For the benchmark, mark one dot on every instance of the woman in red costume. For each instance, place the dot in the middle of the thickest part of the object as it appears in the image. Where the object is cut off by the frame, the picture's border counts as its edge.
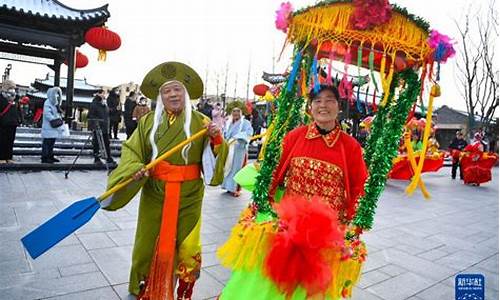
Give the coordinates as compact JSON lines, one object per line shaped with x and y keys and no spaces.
{"x":476,"y":163}
{"x":319,"y":159}
{"x":323,"y":173}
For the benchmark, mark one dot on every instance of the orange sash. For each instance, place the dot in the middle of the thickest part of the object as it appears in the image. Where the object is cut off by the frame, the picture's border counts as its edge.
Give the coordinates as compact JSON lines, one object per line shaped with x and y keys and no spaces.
{"x":160,"y":281}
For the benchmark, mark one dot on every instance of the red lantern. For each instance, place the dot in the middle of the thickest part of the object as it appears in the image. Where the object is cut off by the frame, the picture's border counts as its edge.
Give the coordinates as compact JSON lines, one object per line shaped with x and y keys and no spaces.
{"x":81,"y":60}
{"x":103,"y":39}
{"x":260,"y":89}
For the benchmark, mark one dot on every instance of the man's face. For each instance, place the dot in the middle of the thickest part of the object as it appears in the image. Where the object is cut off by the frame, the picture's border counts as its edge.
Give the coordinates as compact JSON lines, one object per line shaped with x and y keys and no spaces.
{"x":173,"y":97}
{"x":9,"y":94}
{"x":460,"y":136}
{"x":236,"y":114}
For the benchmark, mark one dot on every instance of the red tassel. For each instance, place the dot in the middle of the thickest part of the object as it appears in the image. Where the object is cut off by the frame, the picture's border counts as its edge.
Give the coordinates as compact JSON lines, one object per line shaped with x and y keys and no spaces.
{"x":297,"y":251}
{"x":159,"y":285}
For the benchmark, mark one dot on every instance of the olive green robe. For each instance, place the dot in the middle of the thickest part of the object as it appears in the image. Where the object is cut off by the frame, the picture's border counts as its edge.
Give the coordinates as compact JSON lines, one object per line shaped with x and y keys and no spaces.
{"x":136,"y":153}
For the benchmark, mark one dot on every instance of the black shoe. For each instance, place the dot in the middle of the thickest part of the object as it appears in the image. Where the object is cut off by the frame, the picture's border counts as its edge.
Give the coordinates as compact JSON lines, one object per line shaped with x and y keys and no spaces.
{"x":111,"y":162}
{"x":54,"y":159}
{"x":97,"y":161}
{"x":47,"y":161}
{"x":453,"y":178}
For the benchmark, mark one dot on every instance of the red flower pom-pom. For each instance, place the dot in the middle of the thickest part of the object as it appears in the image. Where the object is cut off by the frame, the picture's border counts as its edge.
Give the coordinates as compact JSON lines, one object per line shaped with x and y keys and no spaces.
{"x":296,"y":257}
{"x":370,"y":13}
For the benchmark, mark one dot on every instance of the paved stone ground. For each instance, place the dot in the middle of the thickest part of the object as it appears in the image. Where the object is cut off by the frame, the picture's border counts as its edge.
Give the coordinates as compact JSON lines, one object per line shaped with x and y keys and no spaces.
{"x":415,"y":249}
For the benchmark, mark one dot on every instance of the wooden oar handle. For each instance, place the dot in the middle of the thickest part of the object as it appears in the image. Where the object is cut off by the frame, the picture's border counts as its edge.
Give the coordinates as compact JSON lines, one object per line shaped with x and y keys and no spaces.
{"x":178,"y":147}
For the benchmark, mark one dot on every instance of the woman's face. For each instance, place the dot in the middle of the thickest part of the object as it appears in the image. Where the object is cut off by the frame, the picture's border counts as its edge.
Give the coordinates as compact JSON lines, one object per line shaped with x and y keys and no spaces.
{"x":173,"y":97}
{"x":325,"y":107}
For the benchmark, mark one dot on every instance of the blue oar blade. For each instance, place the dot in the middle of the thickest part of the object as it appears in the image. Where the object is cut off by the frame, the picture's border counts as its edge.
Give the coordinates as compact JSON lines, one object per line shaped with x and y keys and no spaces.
{"x":60,"y":226}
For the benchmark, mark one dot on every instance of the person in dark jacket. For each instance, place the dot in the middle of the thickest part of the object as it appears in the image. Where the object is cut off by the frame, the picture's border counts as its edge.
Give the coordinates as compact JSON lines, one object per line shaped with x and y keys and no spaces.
{"x":115,"y":113}
{"x":9,"y":120}
{"x":130,"y":104}
{"x":457,"y":145}
{"x":98,"y":116}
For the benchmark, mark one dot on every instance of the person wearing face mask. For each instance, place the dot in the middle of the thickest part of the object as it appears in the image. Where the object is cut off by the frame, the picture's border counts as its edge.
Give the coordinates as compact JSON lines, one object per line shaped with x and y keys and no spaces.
{"x":9,"y":120}
{"x":168,"y":226}
{"x":99,"y":116}
{"x":115,"y":113}
{"x":50,"y":133}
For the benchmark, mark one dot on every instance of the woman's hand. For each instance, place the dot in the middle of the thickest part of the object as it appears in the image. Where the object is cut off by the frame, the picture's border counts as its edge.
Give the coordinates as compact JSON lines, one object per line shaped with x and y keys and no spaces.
{"x":140,"y":174}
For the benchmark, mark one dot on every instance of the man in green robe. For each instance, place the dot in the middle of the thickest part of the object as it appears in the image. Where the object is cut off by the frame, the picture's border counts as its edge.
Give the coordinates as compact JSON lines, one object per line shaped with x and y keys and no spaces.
{"x":173,"y":84}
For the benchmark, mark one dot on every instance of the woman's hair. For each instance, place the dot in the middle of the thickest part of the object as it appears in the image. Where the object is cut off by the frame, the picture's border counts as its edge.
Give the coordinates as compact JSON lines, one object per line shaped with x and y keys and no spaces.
{"x":322,"y":88}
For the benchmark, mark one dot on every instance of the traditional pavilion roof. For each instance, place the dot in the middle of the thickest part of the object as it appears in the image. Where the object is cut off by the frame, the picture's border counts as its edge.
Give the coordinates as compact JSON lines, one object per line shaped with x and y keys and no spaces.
{"x":53,"y":9}
{"x":84,"y":92}
{"x":79,"y":84}
{"x":77,"y":99}
{"x":46,"y":23}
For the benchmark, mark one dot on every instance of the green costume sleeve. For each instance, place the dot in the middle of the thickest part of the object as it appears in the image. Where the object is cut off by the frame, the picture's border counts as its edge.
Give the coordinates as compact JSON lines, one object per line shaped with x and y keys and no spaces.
{"x":135,"y":153}
{"x":221,"y":151}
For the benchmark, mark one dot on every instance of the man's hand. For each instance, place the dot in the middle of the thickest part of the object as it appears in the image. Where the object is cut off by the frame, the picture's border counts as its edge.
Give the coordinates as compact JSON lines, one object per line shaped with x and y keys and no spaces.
{"x":213,"y":130}
{"x":141,"y":173}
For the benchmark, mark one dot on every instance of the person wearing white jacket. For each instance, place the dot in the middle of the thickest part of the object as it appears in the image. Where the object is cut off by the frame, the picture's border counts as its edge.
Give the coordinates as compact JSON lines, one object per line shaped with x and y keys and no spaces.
{"x":50,"y":130}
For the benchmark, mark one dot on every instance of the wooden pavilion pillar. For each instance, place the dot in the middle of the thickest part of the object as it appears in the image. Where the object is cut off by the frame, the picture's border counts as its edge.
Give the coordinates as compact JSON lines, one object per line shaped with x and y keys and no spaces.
{"x":68,"y":110}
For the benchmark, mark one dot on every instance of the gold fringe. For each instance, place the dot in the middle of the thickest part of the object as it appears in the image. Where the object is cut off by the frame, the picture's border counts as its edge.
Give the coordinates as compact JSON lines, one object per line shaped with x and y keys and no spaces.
{"x":102,"y":55}
{"x":248,"y":240}
{"x":331,"y":23}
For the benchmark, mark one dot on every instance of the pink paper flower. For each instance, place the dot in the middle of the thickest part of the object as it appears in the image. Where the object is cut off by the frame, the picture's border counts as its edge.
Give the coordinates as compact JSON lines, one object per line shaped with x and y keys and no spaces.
{"x":370,"y":13}
{"x":442,"y":45}
{"x":283,"y":16}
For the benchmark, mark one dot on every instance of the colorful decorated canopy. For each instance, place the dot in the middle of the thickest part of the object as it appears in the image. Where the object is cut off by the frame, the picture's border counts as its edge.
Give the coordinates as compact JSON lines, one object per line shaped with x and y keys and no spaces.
{"x":400,"y":53}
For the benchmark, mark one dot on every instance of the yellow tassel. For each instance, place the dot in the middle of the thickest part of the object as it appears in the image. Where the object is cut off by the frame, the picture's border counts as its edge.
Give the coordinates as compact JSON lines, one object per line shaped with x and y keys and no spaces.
{"x":411,"y":158}
{"x":386,"y":79}
{"x":102,"y":55}
{"x":413,"y":185}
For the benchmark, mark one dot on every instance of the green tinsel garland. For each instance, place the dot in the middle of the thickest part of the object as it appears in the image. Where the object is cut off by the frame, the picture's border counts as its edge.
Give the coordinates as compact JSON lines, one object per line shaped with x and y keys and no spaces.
{"x":386,"y":147}
{"x":377,"y":128}
{"x":287,"y":117}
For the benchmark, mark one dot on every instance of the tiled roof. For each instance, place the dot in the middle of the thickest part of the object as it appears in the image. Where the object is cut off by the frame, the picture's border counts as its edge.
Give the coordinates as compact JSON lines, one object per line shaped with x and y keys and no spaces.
{"x":53,"y":9}
{"x":76,"y":98}
{"x":79,"y":84}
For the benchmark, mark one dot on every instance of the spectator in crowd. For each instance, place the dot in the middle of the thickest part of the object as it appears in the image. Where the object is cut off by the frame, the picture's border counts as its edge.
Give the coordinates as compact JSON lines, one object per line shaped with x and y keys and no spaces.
{"x":130,"y":104}
{"x":98,"y":117}
{"x":237,"y":132}
{"x":457,"y":145}
{"x":141,"y":109}
{"x":218,"y":116}
{"x":115,"y":113}
{"x":10,"y":118}
{"x":52,"y":124}
{"x":206,"y":108}
{"x":257,"y":121}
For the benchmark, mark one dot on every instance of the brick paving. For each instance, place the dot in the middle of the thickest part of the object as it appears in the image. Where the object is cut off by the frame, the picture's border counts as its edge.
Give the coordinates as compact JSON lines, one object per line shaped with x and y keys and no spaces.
{"x":415,"y":248}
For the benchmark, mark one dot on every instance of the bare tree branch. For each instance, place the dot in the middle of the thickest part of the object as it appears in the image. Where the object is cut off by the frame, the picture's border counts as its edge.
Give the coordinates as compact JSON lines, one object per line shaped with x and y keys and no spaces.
{"x":476,"y":73}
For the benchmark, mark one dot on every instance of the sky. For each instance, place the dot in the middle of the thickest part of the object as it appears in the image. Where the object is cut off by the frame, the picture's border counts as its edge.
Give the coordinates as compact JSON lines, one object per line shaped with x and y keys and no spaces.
{"x":215,"y":36}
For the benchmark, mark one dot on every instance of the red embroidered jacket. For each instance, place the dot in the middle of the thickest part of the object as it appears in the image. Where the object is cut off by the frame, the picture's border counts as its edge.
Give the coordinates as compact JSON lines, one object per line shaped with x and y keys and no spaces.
{"x":322,"y":165}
